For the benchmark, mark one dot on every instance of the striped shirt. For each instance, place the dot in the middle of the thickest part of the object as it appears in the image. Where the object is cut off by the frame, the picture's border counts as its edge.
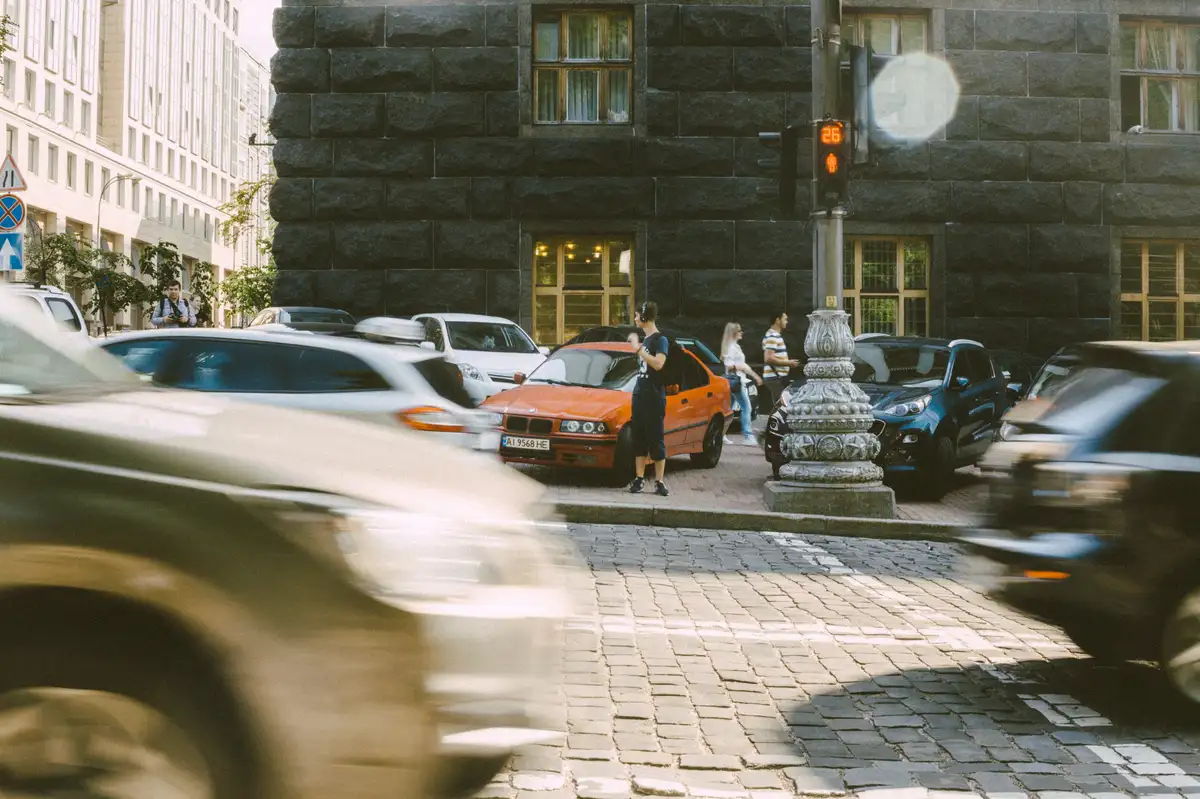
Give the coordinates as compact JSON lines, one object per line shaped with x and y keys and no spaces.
{"x":773,"y":342}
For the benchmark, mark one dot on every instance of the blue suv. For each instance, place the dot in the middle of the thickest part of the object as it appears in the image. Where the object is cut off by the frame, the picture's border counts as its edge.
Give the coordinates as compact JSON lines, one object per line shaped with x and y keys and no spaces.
{"x":937,"y":407}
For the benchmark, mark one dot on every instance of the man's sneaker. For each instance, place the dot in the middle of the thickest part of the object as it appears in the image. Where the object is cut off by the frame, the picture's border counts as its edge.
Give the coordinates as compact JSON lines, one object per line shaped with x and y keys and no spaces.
{"x":750,"y":441}
{"x":727,"y":441}
{"x":638,"y":484}
{"x":660,"y":488}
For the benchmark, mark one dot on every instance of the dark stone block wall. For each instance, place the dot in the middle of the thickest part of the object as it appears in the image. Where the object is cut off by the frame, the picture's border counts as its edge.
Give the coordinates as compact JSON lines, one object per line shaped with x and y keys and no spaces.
{"x":410,"y":178}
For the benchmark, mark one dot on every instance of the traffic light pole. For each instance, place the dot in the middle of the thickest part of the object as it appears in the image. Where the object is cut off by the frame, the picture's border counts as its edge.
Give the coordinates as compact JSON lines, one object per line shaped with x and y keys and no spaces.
{"x":831,"y":470}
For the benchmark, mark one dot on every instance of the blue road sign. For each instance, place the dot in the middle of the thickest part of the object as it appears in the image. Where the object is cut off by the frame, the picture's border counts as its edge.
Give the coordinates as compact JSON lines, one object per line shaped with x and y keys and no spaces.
{"x":12,"y":212}
{"x":12,"y":252}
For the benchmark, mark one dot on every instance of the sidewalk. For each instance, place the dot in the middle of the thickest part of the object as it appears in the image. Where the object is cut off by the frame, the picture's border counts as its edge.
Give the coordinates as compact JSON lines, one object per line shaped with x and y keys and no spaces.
{"x":737,"y":485}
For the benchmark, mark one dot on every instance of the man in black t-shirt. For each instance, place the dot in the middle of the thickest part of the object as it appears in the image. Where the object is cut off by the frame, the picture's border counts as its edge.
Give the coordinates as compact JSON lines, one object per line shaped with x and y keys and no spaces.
{"x":649,"y":402}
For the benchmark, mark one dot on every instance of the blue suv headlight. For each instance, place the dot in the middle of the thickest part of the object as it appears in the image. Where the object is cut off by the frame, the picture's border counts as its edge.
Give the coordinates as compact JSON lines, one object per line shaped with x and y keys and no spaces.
{"x":910,"y":408}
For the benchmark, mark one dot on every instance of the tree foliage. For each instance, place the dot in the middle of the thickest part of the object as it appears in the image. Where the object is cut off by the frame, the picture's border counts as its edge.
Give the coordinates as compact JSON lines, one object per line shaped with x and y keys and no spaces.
{"x":239,"y":211}
{"x":8,"y":29}
{"x":248,"y":290}
{"x":205,"y":290}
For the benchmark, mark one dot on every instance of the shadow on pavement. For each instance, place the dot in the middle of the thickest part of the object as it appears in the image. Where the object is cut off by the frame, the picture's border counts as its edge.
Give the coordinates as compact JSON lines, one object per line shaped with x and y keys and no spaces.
{"x":1066,"y":724}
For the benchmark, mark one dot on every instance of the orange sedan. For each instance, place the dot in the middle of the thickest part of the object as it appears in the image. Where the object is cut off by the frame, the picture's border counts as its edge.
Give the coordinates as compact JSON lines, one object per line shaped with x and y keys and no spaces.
{"x":574,"y":411}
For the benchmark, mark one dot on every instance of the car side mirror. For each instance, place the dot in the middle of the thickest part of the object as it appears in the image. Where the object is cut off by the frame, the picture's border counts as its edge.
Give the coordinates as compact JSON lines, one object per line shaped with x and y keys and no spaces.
{"x":519,"y":378}
{"x":429,"y":345}
{"x":959,"y":383}
{"x":544,"y":350}
{"x":672,"y":390}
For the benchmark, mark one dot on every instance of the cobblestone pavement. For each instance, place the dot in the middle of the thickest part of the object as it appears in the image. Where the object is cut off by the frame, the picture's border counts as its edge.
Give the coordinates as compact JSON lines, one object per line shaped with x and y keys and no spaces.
{"x":737,"y":484}
{"x":765,"y":666}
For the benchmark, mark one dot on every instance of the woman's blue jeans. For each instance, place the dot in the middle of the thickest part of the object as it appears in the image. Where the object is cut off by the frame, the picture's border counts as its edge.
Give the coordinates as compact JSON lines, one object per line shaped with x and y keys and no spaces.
{"x":742,"y":398}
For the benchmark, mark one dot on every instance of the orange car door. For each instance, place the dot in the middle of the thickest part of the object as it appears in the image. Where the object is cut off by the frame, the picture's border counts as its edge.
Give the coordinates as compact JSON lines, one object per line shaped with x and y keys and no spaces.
{"x":702,"y":393}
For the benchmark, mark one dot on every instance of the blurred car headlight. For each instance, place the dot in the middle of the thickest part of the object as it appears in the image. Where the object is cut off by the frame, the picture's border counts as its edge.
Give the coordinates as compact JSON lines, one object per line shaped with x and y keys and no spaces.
{"x":1009,"y":431}
{"x":493,"y":419}
{"x":431,"y":419}
{"x":581,"y":426}
{"x":911,"y":408}
{"x":470,"y":372}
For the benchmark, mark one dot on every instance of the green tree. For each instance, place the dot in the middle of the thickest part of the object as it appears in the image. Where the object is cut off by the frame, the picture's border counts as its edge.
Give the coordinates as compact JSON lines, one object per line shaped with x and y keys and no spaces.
{"x":239,"y":211}
{"x":204,"y":289}
{"x":113,"y":286}
{"x":46,"y":258}
{"x":8,"y":29}
{"x":248,"y":290}
{"x":162,"y":263}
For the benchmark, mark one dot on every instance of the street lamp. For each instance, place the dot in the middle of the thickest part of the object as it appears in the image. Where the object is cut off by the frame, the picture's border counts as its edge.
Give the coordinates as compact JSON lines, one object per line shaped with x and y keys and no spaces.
{"x":100,"y":201}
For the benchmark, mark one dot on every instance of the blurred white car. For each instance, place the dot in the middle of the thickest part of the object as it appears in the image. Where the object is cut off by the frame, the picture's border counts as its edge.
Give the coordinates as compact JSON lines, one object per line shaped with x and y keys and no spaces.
{"x":402,"y":332}
{"x":408,"y":386}
{"x":484,"y":346}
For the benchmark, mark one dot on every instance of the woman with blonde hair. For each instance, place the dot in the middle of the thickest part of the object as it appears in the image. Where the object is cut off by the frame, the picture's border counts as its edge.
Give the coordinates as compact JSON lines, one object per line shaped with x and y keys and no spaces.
{"x":738,"y":372}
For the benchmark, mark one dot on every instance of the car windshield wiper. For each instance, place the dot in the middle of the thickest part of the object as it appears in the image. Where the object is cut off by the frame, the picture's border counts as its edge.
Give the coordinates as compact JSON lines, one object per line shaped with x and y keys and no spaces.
{"x":552,"y":382}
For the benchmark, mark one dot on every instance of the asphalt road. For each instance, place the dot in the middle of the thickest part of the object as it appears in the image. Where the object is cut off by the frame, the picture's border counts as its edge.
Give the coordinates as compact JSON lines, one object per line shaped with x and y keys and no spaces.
{"x":710,"y":664}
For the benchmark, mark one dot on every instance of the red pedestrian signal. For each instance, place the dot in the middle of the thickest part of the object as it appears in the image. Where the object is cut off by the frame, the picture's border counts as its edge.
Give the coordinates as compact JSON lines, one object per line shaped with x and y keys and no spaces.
{"x":831,"y":146}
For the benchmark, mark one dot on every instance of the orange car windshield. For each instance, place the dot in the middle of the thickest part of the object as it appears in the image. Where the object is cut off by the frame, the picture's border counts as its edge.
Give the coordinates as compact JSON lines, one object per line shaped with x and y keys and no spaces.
{"x":588,"y":368}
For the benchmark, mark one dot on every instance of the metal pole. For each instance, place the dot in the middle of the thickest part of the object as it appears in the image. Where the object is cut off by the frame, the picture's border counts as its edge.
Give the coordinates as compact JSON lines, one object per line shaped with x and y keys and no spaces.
{"x":829,"y":443}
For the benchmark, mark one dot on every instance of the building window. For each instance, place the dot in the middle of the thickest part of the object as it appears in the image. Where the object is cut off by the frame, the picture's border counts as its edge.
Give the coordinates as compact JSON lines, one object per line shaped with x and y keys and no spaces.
{"x":88,"y":177}
{"x":1160,"y":290}
{"x":10,"y":141}
{"x":70,"y":170}
{"x":583,"y":68}
{"x":52,"y":161}
{"x":1160,"y":76}
{"x":888,"y":34}
{"x":68,"y":117}
{"x":85,"y":118}
{"x":10,"y":79}
{"x":145,"y":149}
{"x":135,"y":198}
{"x":31,"y":89}
{"x":121,"y":195}
{"x":105,"y":176}
{"x":162,"y":208}
{"x":886,"y":285}
{"x":148,"y":208}
{"x":34,"y":154}
{"x":49,"y":101}
{"x":580,"y":282}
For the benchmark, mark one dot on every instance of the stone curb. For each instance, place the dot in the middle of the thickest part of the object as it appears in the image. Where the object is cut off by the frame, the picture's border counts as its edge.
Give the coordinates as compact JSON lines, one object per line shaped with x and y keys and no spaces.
{"x":756,"y":521}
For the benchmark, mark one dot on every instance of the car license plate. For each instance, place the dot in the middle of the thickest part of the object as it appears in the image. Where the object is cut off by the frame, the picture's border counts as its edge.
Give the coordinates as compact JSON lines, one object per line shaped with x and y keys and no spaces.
{"x":518,"y":442}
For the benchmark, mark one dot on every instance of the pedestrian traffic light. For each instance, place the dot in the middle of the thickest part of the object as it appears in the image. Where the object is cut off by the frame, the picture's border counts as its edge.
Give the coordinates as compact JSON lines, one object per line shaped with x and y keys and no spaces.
{"x":831,"y":162}
{"x":786,"y":141}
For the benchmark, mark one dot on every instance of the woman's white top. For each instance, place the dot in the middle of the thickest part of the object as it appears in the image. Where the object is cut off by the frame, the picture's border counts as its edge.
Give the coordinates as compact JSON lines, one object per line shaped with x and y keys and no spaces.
{"x":735,"y":361}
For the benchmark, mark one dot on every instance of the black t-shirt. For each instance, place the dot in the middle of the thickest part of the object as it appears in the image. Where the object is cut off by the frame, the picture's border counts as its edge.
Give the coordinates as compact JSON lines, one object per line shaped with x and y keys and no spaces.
{"x":651,"y":379}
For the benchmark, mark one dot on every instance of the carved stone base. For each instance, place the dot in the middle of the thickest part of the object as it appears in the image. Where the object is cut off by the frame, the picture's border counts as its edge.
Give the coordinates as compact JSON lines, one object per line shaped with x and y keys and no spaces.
{"x":834,"y":474}
{"x":856,"y":501}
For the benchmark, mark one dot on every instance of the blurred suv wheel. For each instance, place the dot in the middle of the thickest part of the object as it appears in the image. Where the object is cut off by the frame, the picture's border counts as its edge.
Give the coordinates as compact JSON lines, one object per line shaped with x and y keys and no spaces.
{"x":1180,"y":658}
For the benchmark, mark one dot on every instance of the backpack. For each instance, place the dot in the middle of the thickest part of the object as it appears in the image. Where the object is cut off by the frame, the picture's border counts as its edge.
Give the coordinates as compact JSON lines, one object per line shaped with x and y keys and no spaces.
{"x":164,"y":303}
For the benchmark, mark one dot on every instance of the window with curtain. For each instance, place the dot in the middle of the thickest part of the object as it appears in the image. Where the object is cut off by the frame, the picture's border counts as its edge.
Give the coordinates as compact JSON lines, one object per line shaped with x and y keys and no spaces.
{"x":886,"y":285}
{"x":1160,"y":290}
{"x":583,"y":67}
{"x":1160,"y":76}
{"x":580,"y":282}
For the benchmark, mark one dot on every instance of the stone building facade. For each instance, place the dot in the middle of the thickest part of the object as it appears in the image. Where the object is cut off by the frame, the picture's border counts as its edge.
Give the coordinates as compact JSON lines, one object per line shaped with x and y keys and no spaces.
{"x":430,"y":159}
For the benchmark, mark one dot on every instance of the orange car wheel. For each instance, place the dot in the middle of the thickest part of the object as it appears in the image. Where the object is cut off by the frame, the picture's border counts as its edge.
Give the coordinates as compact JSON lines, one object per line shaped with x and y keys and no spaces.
{"x":714,"y":442}
{"x":622,"y":469}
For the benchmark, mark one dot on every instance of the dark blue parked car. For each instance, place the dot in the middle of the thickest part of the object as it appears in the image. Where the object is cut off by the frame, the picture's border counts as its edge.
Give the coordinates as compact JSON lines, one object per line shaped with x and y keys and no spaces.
{"x":937,"y":407}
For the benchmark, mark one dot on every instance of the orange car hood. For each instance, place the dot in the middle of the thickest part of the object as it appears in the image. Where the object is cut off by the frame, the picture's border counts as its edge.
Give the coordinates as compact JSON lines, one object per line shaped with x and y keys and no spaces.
{"x":561,"y":402}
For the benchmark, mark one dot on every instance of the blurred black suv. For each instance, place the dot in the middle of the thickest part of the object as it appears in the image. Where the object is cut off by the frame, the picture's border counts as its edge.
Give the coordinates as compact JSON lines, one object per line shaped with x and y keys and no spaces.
{"x":937,"y":407}
{"x":1091,"y":523}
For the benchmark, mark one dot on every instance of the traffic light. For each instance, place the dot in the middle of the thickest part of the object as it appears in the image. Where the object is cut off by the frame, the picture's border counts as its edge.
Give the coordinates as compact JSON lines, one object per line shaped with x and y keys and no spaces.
{"x":786,"y":142}
{"x":831,"y":162}
{"x":856,"y":102}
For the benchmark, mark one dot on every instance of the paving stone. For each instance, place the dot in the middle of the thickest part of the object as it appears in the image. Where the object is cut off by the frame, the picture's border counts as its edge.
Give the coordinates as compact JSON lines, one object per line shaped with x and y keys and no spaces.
{"x":649,"y":786}
{"x":816,"y":782}
{"x":711,"y":762}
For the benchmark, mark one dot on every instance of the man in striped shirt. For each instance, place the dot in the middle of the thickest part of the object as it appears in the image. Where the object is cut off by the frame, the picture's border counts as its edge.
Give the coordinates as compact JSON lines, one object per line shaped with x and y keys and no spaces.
{"x":777,"y":366}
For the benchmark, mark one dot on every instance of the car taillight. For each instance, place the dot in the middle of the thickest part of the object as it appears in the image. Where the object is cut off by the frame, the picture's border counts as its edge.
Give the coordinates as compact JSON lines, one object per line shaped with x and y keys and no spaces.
{"x":1080,"y":484}
{"x":432,"y":420}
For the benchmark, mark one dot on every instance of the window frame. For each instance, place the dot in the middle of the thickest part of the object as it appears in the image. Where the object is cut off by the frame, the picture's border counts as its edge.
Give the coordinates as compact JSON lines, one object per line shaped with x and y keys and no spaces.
{"x":562,"y":65}
{"x":852,"y":282}
{"x":1182,"y":298}
{"x":560,"y":290}
{"x":1177,"y":77}
{"x":854,"y":20}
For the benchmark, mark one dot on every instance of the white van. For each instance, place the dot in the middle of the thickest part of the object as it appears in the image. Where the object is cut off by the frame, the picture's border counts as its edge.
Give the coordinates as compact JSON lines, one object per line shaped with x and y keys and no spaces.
{"x":55,"y":303}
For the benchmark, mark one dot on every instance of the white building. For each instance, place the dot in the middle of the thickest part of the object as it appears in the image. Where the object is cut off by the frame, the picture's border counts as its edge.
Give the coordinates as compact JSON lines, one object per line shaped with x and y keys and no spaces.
{"x":254,"y":161}
{"x":124,"y":117}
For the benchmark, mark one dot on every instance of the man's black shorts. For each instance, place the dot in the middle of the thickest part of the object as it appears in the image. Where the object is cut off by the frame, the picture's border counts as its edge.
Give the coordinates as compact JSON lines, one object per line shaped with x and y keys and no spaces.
{"x":649,"y":412}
